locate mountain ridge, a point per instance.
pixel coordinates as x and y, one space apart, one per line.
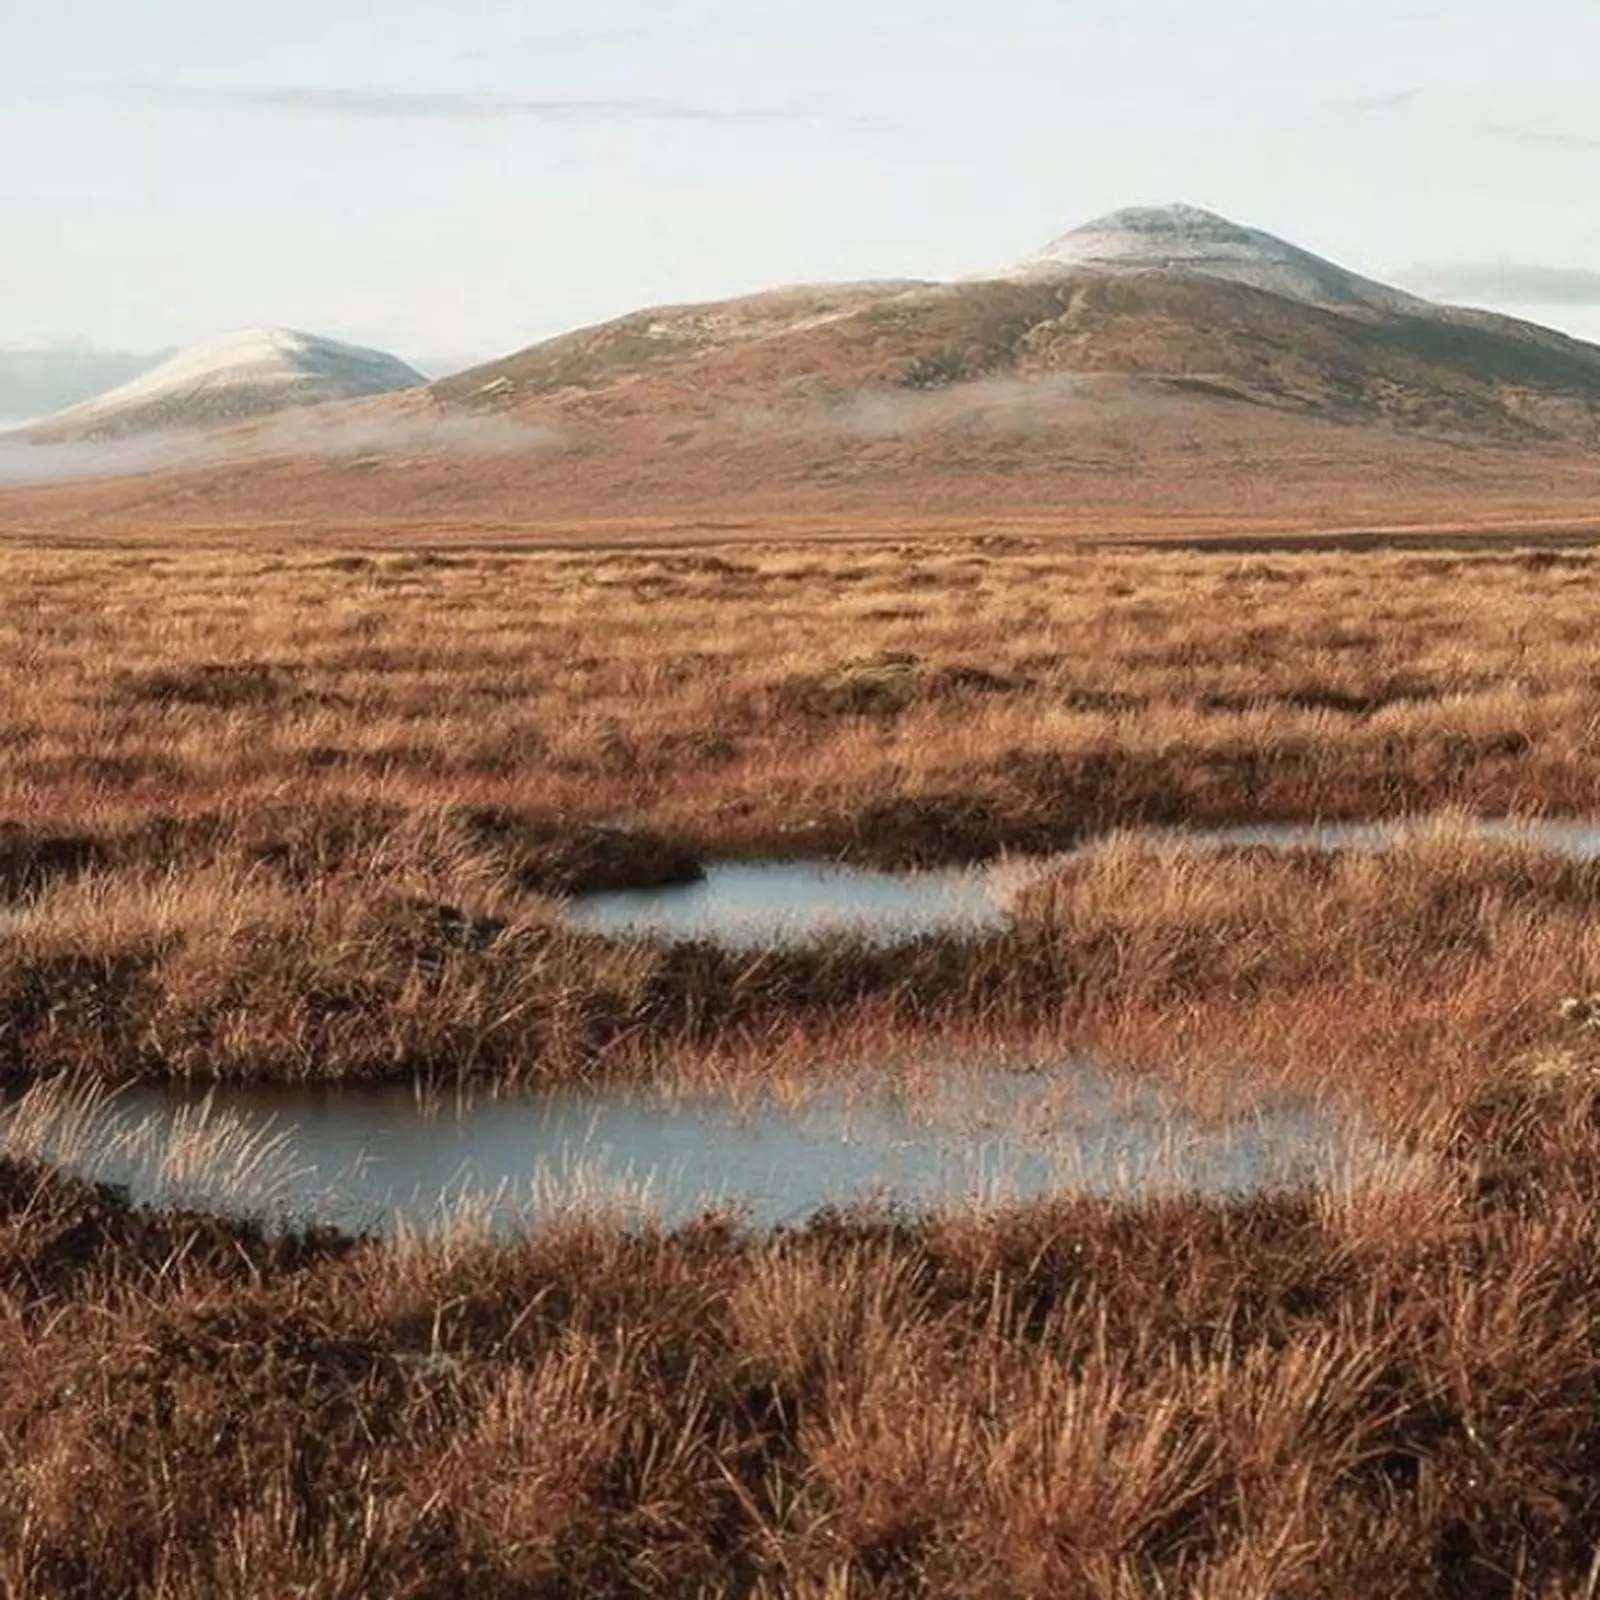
1421 366
1145 385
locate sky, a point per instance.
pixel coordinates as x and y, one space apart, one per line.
462 179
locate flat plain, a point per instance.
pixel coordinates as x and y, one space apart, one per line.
293 809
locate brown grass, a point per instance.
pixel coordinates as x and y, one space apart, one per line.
291 814
936 700
1303 1396
294 815
1403 979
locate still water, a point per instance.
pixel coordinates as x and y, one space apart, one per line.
378 1159
771 904
756 905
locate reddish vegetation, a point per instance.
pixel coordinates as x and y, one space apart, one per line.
291 812
1394 1393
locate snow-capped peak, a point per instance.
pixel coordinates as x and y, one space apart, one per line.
249 373
1185 239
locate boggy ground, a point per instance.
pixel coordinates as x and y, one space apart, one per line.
1388 1392
902 700
1401 979
285 814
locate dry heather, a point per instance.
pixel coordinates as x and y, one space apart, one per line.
903 700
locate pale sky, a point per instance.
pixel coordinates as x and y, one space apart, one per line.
471 175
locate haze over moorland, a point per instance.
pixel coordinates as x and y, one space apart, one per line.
1155 360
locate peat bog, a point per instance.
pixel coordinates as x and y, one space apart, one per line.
414 853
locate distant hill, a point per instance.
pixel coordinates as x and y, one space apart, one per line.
667 337
240 376
1172 297
1160 363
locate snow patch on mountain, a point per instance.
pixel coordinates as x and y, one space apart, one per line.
255 372
1186 240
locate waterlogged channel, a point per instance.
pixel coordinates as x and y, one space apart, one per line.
375 1160
378 1159
764 905
757 905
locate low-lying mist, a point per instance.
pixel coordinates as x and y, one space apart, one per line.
311 433
1099 411
1016 408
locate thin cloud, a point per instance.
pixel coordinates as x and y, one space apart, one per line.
1509 282
385 105
1547 138
1384 104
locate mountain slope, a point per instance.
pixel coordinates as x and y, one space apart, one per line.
242 375
1462 372
666 337
1226 376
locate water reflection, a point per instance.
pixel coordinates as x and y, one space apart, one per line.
371 1159
756 905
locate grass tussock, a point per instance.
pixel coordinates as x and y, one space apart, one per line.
1407 973
1167 920
1299 1396
31 858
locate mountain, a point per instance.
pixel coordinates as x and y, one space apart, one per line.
37 380
1156 364
1186 241
254 373
668 337
1174 299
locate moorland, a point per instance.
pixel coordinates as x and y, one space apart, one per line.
290 810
